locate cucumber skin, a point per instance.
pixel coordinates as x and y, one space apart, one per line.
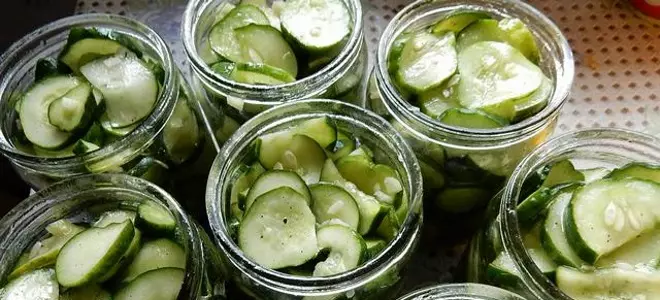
552 251
152 228
579 245
624 172
530 212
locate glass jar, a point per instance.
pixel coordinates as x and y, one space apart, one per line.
373 278
609 148
85 197
343 78
140 153
465 167
461 291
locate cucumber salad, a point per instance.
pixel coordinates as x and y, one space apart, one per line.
593 232
253 43
99 89
122 254
470 70
318 198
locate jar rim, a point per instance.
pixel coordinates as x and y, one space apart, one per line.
67 190
563 72
161 112
561 147
223 167
279 93
461 291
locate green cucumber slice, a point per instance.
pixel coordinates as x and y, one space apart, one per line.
34 112
341 147
155 219
374 246
150 169
181 134
44 253
462 199
642 251
322 130
36 285
331 202
504 271
553 234
372 211
90 254
128 256
395 52
436 101
129 88
298 153
469 118
637 170
329 173
562 172
493 75
156 254
316 26
279 221
608 213
536 205
114 217
389 226
251 73
87 292
347 250
594 174
427 61
511 31
456 23
81 147
73 111
611 283
87 50
272 180
159 284
433 178
532 104
378 180
222 38
241 185
48 67
263 44
114 132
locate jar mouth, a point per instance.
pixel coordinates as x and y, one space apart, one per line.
283 116
609 147
556 59
319 81
462 291
72 196
50 39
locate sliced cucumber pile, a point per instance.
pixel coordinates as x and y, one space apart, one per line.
313 194
98 90
597 227
109 258
469 70
257 44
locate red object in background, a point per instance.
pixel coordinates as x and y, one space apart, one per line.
650 8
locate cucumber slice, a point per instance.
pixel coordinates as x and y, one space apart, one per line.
493 75
34 112
364 153
378 180
269 147
160 284
44 253
433 178
637 170
298 153
504 271
389 227
427 61
331 202
241 185
156 254
591 175
181 134
374 246
372 211
150 169
263 44
642 251
316 26
87 292
86 50
81 147
113 132
611 283
222 37
280 221
36 285
155 219
536 205
329 173
553 235
395 52
347 250
129 88
90 254
73 111
128 256
341 147
322 130
48 67
260 74
562 172
114 217
608 213
532 104
456 23
468 118
436 101
511 31
461 199
272 180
